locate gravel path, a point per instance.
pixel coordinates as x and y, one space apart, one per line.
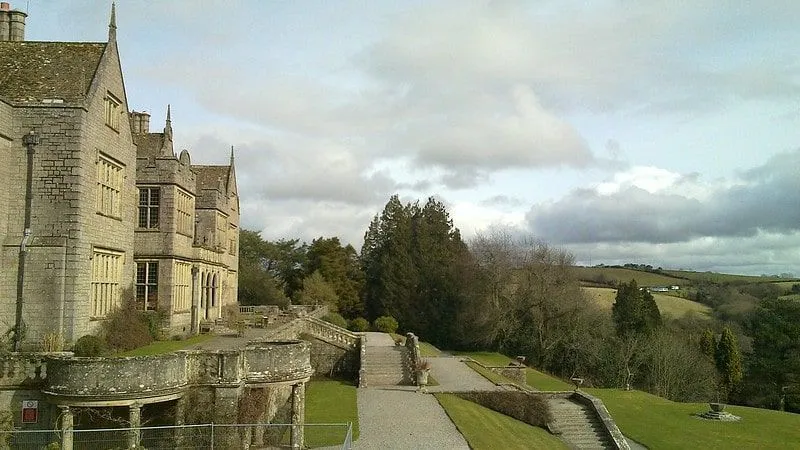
454 375
399 417
403 419
375 339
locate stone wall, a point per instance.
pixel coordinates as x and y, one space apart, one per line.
331 361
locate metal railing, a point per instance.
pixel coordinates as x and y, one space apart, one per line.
189 437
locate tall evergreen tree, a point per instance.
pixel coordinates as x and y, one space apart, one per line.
634 310
340 268
708 343
412 257
729 359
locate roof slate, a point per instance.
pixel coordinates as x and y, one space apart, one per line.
148 144
34 71
208 176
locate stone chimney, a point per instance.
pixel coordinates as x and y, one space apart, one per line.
140 122
12 23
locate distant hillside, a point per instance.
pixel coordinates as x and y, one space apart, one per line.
714 277
604 275
667 304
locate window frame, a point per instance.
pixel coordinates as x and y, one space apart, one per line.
149 285
148 208
110 181
106 277
112 111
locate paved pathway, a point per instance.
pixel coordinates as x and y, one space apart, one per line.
399 417
454 375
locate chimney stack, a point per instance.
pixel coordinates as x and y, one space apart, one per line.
12 23
140 122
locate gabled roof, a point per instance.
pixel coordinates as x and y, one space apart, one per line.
208 176
31 72
148 144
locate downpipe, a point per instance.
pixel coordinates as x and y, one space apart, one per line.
31 140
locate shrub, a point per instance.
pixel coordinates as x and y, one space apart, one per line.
336 319
128 327
359 324
52 342
385 324
89 345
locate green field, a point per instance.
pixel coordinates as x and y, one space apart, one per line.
714 277
667 304
622 275
487 429
161 347
659 423
330 401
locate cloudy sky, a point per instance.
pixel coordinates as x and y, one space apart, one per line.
655 132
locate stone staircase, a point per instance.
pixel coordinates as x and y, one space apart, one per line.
386 366
578 425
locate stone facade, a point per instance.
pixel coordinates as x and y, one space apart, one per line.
73 243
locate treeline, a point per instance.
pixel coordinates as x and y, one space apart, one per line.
517 295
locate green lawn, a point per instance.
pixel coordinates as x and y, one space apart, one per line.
659 423
330 401
535 379
427 350
668 305
544 382
487 429
161 347
495 378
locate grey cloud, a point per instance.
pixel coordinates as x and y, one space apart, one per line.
502 201
762 253
767 202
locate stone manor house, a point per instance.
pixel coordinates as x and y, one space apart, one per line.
94 208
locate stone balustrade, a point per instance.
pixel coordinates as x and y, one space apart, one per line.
73 379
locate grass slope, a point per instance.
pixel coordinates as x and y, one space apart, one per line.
161 347
623 275
534 378
723 277
659 423
667 304
487 429
330 401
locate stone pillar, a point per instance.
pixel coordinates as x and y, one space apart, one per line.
195 301
66 427
180 419
135 419
298 415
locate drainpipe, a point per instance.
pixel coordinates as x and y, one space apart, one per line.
31 140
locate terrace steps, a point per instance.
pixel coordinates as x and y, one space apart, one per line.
386 366
578 425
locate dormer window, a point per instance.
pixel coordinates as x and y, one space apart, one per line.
112 111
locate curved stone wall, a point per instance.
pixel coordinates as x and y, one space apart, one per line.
143 377
277 361
116 378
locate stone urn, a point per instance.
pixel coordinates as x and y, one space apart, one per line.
717 407
422 377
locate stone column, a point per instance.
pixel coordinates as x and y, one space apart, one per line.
180 418
135 419
195 301
66 427
298 415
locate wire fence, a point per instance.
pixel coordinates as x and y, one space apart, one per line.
206 436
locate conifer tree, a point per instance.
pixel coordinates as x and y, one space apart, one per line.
634 310
708 344
729 359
